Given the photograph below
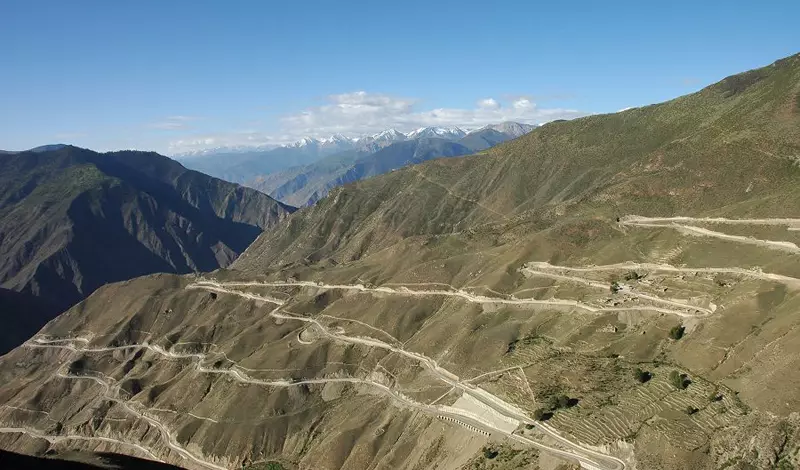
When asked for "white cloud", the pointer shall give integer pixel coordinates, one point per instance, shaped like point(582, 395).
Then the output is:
point(359, 113)
point(171, 123)
point(488, 103)
point(362, 113)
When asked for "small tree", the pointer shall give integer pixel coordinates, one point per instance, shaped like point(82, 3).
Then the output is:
point(678, 380)
point(690, 410)
point(676, 332)
point(558, 401)
point(615, 287)
point(541, 414)
point(642, 375)
point(490, 453)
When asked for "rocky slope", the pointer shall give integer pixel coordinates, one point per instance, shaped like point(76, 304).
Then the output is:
point(618, 291)
point(72, 220)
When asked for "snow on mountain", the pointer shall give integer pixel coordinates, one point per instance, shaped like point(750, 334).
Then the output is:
point(223, 149)
point(371, 143)
point(510, 128)
point(451, 133)
point(380, 140)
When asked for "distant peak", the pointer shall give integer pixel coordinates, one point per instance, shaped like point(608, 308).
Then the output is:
point(48, 148)
point(443, 132)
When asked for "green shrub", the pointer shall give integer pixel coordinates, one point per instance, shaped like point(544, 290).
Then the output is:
point(541, 414)
point(642, 375)
point(676, 332)
point(678, 380)
point(558, 401)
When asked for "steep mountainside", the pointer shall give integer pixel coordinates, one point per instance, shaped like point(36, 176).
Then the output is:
point(72, 220)
point(23, 315)
point(620, 292)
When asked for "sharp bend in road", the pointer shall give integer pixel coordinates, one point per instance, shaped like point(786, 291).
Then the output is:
point(789, 222)
point(594, 460)
point(674, 222)
point(589, 458)
point(221, 287)
point(754, 273)
point(544, 273)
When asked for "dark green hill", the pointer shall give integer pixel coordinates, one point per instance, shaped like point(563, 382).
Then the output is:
point(72, 220)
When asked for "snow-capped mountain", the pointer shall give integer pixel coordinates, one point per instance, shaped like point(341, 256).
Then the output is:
point(226, 149)
point(372, 143)
point(340, 143)
point(247, 164)
point(513, 129)
point(332, 144)
point(449, 133)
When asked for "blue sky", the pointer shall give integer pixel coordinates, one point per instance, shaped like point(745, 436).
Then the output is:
point(179, 75)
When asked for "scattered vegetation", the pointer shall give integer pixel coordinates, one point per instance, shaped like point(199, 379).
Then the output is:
point(676, 332)
point(642, 375)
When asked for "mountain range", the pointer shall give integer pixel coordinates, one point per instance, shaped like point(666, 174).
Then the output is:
point(247, 165)
point(72, 220)
point(615, 292)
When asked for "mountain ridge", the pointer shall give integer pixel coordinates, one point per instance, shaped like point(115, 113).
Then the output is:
point(72, 220)
point(302, 186)
point(244, 164)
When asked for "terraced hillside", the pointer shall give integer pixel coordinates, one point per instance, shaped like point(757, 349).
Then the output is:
point(614, 292)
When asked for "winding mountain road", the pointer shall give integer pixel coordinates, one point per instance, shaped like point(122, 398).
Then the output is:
point(587, 457)
point(754, 273)
point(222, 287)
point(682, 224)
point(54, 439)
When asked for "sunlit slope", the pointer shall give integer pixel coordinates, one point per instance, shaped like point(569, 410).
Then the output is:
point(731, 148)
